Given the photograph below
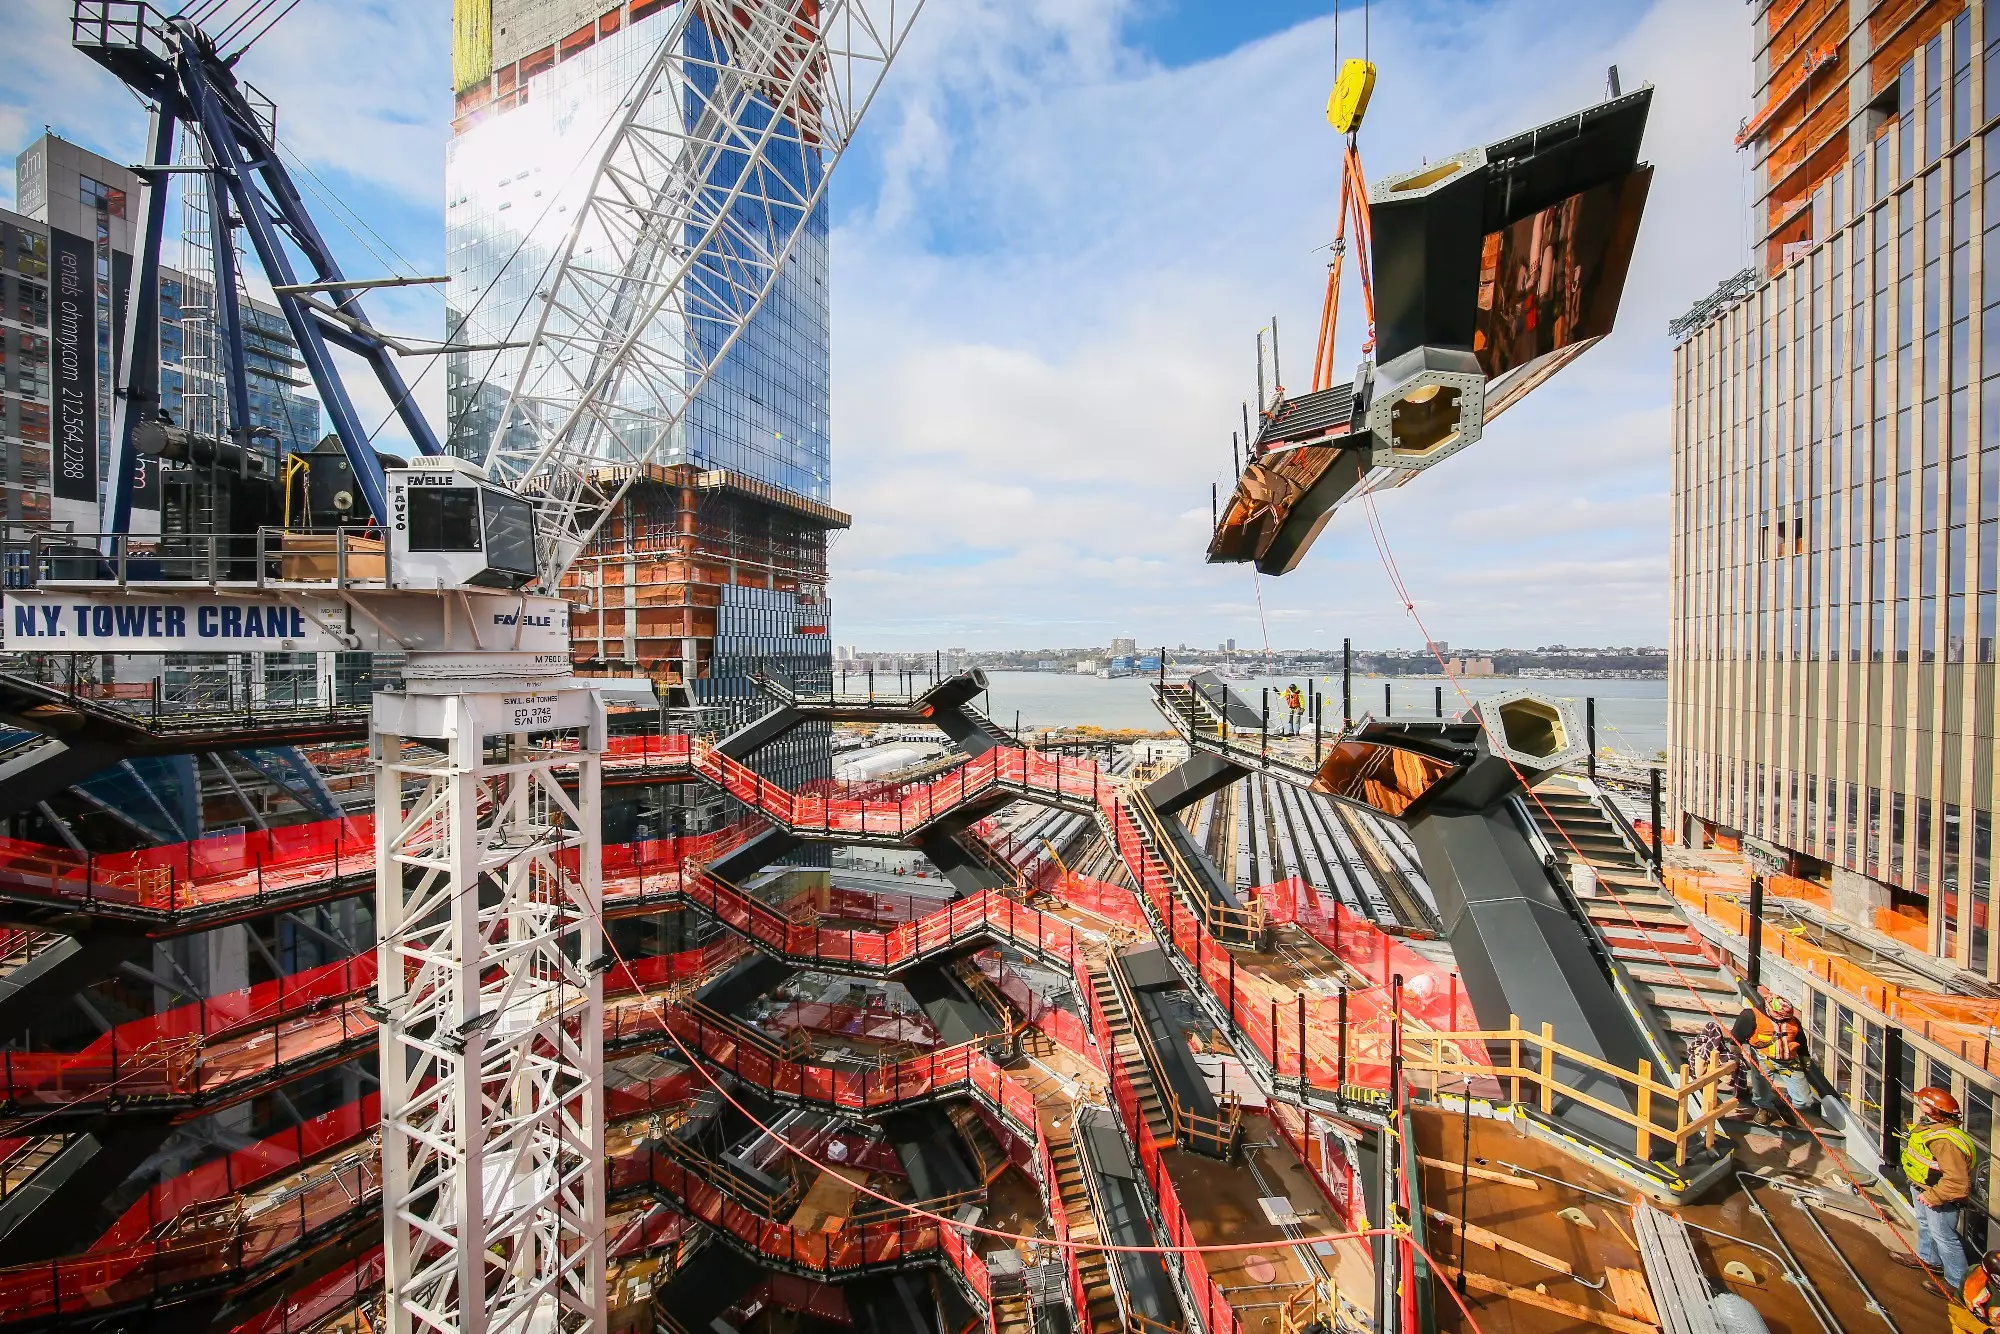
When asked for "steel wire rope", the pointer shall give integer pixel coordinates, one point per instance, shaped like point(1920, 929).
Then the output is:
point(200, 11)
point(242, 22)
point(1383, 550)
point(322, 191)
point(258, 36)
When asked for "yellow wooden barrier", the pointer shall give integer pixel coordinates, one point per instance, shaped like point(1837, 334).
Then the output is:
point(1439, 1056)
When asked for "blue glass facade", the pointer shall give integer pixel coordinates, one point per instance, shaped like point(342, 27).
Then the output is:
point(516, 176)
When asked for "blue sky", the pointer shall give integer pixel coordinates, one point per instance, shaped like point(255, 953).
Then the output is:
point(1054, 242)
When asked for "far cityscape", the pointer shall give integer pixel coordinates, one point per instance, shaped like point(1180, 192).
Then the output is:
point(1125, 657)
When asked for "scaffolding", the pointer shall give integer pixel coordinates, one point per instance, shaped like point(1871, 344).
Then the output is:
point(647, 590)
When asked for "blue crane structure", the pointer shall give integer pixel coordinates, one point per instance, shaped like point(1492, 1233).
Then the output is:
point(190, 84)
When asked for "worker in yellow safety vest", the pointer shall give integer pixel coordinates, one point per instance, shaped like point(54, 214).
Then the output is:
point(1938, 1160)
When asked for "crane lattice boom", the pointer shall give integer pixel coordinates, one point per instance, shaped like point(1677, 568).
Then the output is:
point(720, 157)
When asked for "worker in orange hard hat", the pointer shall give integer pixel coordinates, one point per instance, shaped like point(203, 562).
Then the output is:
point(1939, 1159)
point(1981, 1313)
point(1777, 1040)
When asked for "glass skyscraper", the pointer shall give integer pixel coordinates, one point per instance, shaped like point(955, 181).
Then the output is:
point(714, 566)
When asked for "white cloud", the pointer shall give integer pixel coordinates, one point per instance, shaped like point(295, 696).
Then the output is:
point(1052, 257)
point(364, 108)
point(1044, 313)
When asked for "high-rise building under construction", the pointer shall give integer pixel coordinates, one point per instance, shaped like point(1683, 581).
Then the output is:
point(1836, 496)
point(713, 567)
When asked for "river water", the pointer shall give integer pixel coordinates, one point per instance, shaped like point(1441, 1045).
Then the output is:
point(1631, 714)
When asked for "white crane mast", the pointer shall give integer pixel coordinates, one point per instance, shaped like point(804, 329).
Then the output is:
point(490, 951)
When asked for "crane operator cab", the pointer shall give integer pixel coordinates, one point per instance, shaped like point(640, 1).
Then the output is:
point(451, 528)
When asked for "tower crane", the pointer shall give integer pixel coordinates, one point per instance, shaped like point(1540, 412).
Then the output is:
point(488, 892)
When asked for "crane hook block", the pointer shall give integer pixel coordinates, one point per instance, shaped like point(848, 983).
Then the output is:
point(1351, 91)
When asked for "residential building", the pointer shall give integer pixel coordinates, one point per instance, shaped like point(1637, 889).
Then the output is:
point(1836, 500)
point(65, 275)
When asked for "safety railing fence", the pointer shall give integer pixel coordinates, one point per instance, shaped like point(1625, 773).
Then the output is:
point(1045, 1170)
point(887, 1244)
point(1061, 1026)
point(239, 865)
point(20, 946)
point(181, 1069)
point(132, 1275)
point(1269, 1019)
point(1529, 1068)
point(307, 1309)
point(220, 1017)
point(1216, 1135)
point(294, 860)
point(1967, 1026)
point(1212, 1304)
point(753, 1057)
point(1139, 828)
point(224, 1177)
point(270, 557)
point(1336, 1043)
point(768, 1204)
point(239, 1242)
point(875, 1023)
point(989, 914)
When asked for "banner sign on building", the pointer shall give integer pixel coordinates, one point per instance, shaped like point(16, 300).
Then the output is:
point(39, 622)
point(73, 348)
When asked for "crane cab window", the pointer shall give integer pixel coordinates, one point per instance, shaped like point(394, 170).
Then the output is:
point(510, 535)
point(444, 519)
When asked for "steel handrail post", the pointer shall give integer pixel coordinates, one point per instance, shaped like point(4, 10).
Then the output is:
point(1340, 1072)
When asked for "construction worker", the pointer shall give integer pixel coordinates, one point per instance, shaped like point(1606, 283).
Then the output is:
point(1981, 1313)
point(1938, 1160)
point(1781, 1045)
point(1295, 707)
point(1777, 1039)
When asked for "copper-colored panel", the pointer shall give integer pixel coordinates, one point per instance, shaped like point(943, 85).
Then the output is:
point(1384, 778)
point(1264, 498)
point(1554, 279)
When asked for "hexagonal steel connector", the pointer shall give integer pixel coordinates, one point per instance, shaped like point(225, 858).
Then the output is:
point(1425, 406)
point(1534, 731)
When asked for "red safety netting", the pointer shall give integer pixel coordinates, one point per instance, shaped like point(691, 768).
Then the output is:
point(1212, 1302)
point(1345, 1040)
point(849, 1250)
point(1100, 898)
point(241, 1243)
point(107, 1280)
point(1045, 1171)
point(1431, 994)
point(219, 1179)
point(311, 1306)
point(175, 876)
point(187, 1066)
point(729, 1045)
point(1059, 1024)
point(871, 1022)
point(260, 1003)
point(986, 915)
point(895, 811)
